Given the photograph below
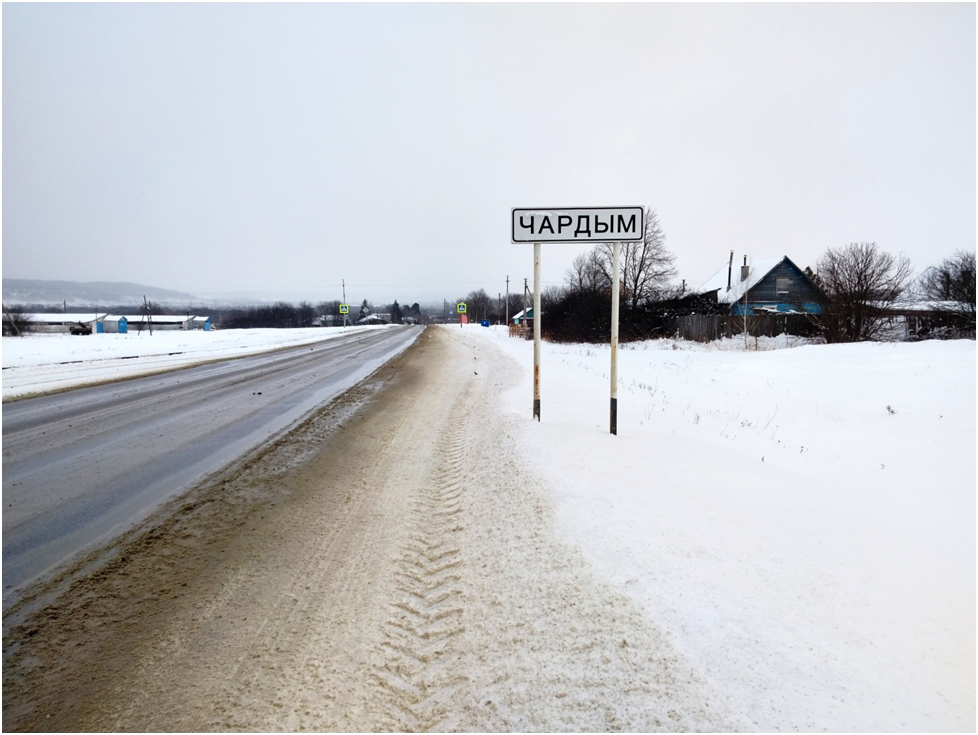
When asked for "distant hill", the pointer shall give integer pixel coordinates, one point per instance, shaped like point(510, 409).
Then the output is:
point(38, 293)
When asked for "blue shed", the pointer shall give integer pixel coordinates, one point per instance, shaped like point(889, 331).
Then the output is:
point(114, 324)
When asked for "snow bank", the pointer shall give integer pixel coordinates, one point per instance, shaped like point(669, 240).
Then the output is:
point(801, 520)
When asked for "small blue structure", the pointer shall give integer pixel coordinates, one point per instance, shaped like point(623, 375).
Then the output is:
point(112, 324)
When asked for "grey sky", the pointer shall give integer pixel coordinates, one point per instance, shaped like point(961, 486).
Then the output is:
point(275, 149)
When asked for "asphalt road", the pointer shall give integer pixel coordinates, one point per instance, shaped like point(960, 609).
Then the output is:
point(82, 466)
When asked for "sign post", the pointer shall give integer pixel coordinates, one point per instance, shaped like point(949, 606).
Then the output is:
point(536, 330)
point(577, 224)
point(615, 296)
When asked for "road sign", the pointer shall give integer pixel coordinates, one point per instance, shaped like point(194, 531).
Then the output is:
point(577, 224)
point(344, 308)
point(461, 308)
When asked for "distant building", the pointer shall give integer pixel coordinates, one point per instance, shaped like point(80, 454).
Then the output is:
point(73, 323)
point(765, 286)
point(113, 324)
point(89, 323)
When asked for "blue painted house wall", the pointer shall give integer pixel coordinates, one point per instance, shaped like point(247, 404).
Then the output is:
point(785, 288)
point(765, 287)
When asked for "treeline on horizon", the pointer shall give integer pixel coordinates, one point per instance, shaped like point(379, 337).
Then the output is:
point(279, 315)
point(285, 315)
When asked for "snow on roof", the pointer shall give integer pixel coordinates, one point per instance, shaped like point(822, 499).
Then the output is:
point(157, 318)
point(64, 318)
point(718, 281)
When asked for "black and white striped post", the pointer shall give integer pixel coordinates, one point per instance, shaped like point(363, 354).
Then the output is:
point(536, 330)
point(593, 224)
point(615, 296)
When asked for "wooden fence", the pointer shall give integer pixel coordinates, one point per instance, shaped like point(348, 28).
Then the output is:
point(709, 327)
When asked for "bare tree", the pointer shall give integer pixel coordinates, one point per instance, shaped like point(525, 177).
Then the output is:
point(328, 308)
point(16, 321)
point(549, 296)
point(304, 314)
point(479, 305)
point(862, 281)
point(586, 274)
point(952, 284)
point(646, 266)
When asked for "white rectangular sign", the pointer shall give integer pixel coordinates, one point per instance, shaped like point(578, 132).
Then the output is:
point(578, 224)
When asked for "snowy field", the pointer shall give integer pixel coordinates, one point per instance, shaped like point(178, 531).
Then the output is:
point(48, 362)
point(801, 521)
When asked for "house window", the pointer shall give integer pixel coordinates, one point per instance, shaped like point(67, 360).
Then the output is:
point(783, 285)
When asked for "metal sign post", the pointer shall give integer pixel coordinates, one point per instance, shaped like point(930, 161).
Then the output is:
point(615, 295)
point(577, 224)
point(536, 330)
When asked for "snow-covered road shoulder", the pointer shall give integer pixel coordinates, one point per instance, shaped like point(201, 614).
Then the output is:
point(801, 521)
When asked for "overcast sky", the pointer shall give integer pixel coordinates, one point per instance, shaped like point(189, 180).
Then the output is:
point(273, 150)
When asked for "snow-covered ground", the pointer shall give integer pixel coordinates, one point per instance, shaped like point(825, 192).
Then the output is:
point(800, 521)
point(48, 362)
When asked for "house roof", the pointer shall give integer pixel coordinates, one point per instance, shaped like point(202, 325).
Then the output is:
point(158, 318)
point(758, 270)
point(65, 318)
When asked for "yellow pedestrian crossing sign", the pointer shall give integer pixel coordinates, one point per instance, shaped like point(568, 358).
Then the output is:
point(461, 308)
point(344, 308)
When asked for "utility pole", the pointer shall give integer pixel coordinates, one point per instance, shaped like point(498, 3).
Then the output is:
point(149, 317)
point(507, 302)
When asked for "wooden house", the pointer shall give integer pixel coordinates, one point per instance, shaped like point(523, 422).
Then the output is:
point(765, 286)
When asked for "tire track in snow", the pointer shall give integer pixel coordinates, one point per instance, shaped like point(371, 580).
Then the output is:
point(417, 677)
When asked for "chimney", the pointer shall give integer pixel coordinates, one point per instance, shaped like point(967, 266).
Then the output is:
point(744, 270)
point(729, 270)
